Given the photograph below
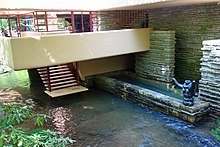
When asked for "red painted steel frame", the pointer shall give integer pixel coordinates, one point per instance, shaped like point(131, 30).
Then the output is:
point(46, 21)
point(48, 79)
point(77, 73)
point(82, 22)
point(36, 22)
point(90, 22)
point(73, 22)
point(9, 27)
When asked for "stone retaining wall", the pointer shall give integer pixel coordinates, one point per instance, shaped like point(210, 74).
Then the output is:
point(192, 25)
point(121, 19)
point(158, 62)
point(154, 100)
point(209, 85)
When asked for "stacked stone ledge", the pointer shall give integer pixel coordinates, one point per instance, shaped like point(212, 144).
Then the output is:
point(153, 100)
point(158, 62)
point(209, 85)
point(192, 24)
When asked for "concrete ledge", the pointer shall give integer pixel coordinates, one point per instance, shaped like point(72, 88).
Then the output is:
point(154, 100)
point(41, 51)
point(66, 91)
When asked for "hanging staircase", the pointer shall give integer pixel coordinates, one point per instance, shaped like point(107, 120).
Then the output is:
point(61, 80)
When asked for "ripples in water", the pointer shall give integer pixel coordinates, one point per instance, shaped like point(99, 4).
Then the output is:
point(97, 118)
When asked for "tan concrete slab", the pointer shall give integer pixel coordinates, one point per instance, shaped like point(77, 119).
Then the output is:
point(49, 50)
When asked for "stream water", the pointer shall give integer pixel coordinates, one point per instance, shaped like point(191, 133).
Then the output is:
point(97, 118)
point(166, 89)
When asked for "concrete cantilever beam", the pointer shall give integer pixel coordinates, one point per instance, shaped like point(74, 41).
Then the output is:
point(41, 51)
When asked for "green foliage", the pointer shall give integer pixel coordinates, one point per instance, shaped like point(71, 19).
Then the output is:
point(216, 130)
point(3, 23)
point(41, 118)
point(38, 137)
point(61, 22)
point(12, 114)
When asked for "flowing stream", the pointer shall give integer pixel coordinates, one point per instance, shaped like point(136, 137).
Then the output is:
point(97, 118)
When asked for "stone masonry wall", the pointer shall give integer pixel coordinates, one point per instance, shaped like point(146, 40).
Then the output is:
point(123, 19)
point(158, 62)
point(209, 85)
point(153, 99)
point(192, 25)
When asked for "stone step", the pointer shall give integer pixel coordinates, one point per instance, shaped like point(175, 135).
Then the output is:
point(209, 97)
point(217, 89)
point(210, 93)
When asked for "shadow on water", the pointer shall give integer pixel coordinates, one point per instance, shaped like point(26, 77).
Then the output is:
point(98, 118)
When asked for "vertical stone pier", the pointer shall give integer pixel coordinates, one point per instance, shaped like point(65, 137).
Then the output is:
point(34, 77)
point(158, 62)
point(209, 85)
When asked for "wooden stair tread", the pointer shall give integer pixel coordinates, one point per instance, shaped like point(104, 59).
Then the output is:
point(61, 82)
point(52, 80)
point(52, 67)
point(61, 72)
point(66, 91)
point(53, 70)
point(56, 73)
point(63, 86)
point(57, 76)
